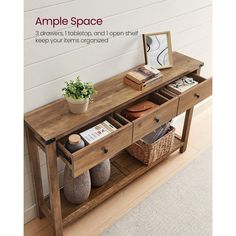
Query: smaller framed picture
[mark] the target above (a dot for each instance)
(158, 50)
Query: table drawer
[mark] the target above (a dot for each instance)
(167, 110)
(195, 94)
(94, 153)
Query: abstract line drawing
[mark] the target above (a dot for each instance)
(157, 49)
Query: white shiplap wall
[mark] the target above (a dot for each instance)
(47, 67)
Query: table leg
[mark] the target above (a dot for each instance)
(54, 191)
(186, 129)
(36, 173)
(187, 122)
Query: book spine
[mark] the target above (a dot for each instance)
(151, 78)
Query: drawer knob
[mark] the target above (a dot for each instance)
(196, 95)
(105, 150)
(157, 120)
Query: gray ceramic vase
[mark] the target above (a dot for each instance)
(76, 190)
(74, 143)
(100, 174)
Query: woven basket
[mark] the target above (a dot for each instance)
(148, 153)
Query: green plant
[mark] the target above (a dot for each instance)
(78, 89)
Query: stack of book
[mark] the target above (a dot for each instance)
(142, 77)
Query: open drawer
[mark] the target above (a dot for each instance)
(104, 148)
(195, 94)
(166, 110)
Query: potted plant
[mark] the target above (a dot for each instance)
(78, 94)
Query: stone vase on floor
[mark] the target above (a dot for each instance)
(76, 190)
(100, 174)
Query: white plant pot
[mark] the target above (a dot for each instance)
(78, 106)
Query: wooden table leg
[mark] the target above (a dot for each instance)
(54, 191)
(187, 122)
(186, 129)
(36, 173)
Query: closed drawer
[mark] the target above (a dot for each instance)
(104, 148)
(167, 110)
(195, 94)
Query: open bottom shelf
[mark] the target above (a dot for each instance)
(124, 169)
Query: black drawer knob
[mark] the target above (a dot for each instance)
(157, 120)
(196, 95)
(105, 150)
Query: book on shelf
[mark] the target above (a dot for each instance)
(181, 85)
(97, 132)
(143, 74)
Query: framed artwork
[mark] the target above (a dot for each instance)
(158, 50)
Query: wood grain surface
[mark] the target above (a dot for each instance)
(54, 120)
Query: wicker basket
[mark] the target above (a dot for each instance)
(148, 153)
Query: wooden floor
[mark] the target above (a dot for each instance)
(94, 222)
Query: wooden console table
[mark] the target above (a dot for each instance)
(48, 127)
